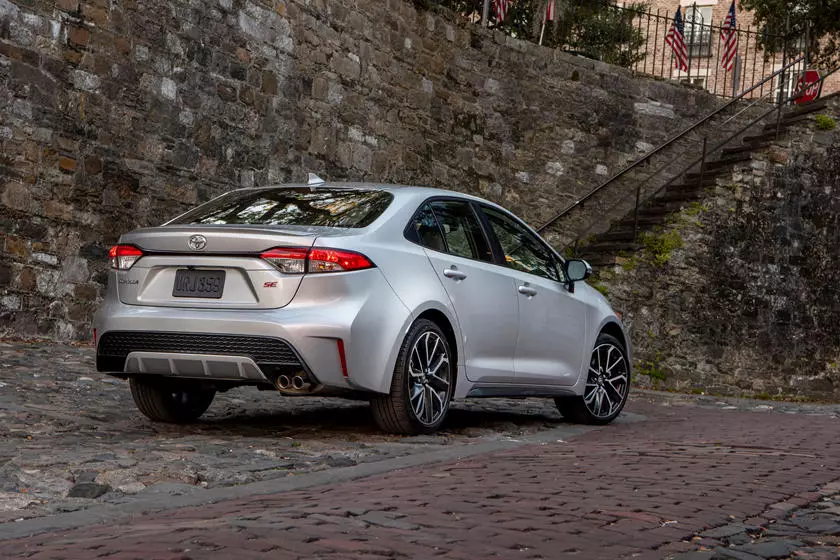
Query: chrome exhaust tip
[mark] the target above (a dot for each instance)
(283, 382)
(298, 382)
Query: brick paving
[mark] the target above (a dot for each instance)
(640, 490)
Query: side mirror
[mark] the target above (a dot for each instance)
(577, 270)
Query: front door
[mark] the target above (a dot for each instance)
(485, 301)
(552, 321)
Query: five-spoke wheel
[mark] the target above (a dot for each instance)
(607, 385)
(422, 385)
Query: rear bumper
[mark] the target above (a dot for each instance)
(358, 308)
(220, 356)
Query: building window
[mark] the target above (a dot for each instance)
(698, 30)
(699, 81)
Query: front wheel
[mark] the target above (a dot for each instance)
(168, 400)
(422, 385)
(607, 385)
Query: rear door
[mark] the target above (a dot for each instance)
(551, 340)
(484, 300)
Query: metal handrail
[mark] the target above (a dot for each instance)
(667, 143)
(742, 130)
(715, 148)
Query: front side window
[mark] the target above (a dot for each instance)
(523, 250)
(344, 208)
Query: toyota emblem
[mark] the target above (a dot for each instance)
(197, 242)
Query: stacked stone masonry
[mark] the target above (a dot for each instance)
(738, 294)
(119, 115)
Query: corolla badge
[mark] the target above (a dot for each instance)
(197, 242)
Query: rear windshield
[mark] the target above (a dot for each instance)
(293, 207)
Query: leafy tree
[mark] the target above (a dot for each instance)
(600, 30)
(819, 19)
(594, 28)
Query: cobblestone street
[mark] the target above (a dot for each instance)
(71, 438)
(680, 476)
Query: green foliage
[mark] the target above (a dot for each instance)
(659, 246)
(824, 122)
(605, 32)
(630, 264)
(600, 287)
(784, 22)
(594, 28)
(651, 368)
(695, 209)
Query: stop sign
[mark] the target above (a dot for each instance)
(809, 86)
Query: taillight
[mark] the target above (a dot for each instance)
(123, 257)
(334, 260)
(295, 260)
(287, 260)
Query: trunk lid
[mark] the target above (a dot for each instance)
(213, 266)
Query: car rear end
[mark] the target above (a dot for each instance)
(260, 286)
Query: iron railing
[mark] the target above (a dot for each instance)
(700, 160)
(645, 159)
(633, 36)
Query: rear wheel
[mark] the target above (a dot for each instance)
(422, 385)
(607, 385)
(168, 400)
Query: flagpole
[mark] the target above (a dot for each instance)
(542, 31)
(485, 13)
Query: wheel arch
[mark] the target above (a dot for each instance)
(439, 318)
(614, 329)
(443, 318)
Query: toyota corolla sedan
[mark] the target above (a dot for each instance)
(409, 297)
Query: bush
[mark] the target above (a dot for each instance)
(824, 122)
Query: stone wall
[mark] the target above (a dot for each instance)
(739, 295)
(115, 115)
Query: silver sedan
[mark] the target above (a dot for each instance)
(409, 297)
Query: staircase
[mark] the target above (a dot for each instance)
(623, 236)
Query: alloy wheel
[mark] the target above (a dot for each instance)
(429, 378)
(607, 383)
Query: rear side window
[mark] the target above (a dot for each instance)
(343, 208)
(450, 226)
(426, 231)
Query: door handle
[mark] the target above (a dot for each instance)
(528, 291)
(454, 274)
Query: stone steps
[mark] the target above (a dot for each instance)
(622, 236)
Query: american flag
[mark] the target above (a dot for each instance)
(549, 11)
(676, 40)
(501, 8)
(729, 36)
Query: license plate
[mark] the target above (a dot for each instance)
(199, 283)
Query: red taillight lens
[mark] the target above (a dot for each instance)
(123, 257)
(295, 260)
(334, 260)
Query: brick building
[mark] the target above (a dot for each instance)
(703, 21)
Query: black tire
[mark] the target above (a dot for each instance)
(583, 411)
(395, 412)
(169, 400)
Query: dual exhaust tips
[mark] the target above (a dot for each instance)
(297, 382)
